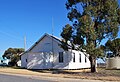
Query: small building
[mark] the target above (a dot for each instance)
(113, 63)
(47, 53)
(19, 63)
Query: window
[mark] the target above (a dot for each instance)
(26, 60)
(80, 58)
(60, 57)
(85, 59)
(73, 57)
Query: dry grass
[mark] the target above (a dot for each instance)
(102, 74)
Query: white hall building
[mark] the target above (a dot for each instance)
(47, 53)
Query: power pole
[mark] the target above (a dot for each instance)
(25, 43)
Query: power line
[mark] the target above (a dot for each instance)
(13, 36)
(10, 35)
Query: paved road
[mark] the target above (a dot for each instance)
(28, 78)
(11, 78)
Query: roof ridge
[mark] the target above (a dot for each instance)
(54, 36)
(46, 34)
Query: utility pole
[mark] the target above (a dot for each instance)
(25, 43)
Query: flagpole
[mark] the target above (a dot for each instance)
(52, 43)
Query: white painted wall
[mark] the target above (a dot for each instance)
(77, 64)
(39, 61)
(45, 61)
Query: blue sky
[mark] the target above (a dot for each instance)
(30, 18)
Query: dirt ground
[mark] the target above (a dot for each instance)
(102, 74)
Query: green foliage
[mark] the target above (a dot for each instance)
(13, 54)
(94, 52)
(113, 46)
(66, 34)
(77, 39)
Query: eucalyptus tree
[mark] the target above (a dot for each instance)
(93, 21)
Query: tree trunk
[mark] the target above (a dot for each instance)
(93, 63)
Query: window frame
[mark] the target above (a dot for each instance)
(61, 57)
(85, 59)
(80, 58)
